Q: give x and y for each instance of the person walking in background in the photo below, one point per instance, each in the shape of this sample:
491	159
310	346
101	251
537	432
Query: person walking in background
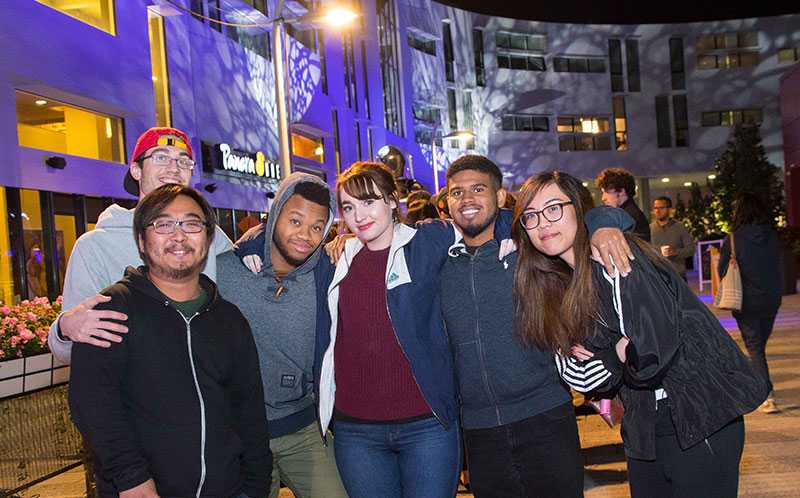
683	381
619	189
758	256
670	237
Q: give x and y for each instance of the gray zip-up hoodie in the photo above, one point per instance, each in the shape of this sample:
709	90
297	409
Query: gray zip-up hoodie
283	325
99	259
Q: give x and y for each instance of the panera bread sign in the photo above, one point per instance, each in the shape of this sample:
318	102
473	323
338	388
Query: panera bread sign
223	157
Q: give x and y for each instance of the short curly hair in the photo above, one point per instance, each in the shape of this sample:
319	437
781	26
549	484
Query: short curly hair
617	179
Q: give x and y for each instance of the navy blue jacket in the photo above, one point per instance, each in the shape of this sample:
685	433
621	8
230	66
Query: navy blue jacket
500	379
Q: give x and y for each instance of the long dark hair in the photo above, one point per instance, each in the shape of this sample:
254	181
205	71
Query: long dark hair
749	209
555	304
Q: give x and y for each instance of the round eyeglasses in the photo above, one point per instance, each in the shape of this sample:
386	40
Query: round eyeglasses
167	226
163	159
530	219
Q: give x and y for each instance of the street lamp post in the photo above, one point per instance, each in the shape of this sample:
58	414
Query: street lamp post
335	17
455	134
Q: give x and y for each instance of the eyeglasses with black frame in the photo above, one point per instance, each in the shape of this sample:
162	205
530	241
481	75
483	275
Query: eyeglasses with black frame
530	219
166	226
163	159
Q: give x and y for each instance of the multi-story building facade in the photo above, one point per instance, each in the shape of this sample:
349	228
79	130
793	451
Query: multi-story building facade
79	81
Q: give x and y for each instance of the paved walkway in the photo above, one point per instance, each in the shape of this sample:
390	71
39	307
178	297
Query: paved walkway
770	465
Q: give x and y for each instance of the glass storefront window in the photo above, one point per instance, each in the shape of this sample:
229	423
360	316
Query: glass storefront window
97	13
33	236
50	125
6	272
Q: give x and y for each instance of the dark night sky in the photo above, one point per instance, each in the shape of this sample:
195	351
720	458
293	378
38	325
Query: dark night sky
627	11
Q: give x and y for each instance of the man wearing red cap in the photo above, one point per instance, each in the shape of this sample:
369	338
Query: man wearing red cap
99	258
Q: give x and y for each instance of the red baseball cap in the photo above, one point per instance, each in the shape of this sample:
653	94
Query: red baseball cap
153	138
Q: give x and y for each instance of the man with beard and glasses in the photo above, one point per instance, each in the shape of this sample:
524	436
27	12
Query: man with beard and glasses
280	302
176	409
519	426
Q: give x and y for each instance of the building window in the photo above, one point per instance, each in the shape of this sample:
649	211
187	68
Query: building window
350	93
615	65
680	115
390	67
731	117
726	41
632	60
449	56
158	62
308	147
620	123
425	136
370	144
511	48
467	109
719	51
477	48
323	62
359	152
664	136
418	43
337	143
365	77
727	61
676	64
579	65
579	133
215	15
788	55
452	111
47	124
196	7
521	41
525	122
430	115
97	13
527	63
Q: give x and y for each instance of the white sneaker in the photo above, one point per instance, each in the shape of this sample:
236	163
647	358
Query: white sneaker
769	406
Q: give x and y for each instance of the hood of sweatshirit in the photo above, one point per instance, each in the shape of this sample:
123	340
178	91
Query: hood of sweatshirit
757	234
287	188
116	217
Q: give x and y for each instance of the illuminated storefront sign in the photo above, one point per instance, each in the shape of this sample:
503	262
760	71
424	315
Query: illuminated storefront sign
223	157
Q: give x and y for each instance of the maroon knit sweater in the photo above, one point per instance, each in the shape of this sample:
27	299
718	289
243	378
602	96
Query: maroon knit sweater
374	381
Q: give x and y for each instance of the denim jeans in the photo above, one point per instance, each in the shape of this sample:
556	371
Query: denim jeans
537	457
418	459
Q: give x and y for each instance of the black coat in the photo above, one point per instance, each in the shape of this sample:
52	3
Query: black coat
759	258
642	227
138	405
676	344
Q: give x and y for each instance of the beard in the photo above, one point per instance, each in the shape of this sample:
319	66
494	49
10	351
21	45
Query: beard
477	227
169	273
284	252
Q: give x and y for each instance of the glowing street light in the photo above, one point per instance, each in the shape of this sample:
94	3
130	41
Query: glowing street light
336	17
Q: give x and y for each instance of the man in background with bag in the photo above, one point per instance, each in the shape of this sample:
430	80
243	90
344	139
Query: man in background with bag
753	247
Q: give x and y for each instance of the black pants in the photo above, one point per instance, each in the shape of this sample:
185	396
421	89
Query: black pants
539	457
709	469
756	330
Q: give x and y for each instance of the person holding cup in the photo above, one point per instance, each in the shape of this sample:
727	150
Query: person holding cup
670	237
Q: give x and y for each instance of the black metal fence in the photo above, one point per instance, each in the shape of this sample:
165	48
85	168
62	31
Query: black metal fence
37	439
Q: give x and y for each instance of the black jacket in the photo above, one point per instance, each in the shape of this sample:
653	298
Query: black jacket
179	401
676	344
642	227
759	258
